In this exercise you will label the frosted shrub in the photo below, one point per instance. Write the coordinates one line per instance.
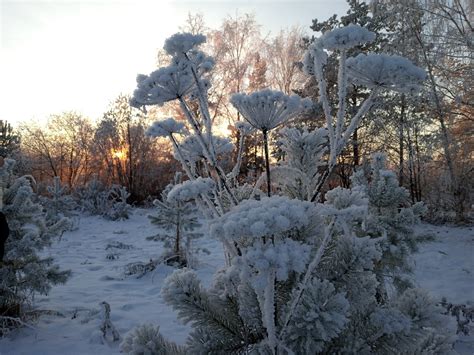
(117, 206)
(23, 271)
(111, 203)
(92, 197)
(146, 340)
(178, 216)
(59, 204)
(300, 276)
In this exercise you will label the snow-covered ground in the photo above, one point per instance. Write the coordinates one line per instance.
(444, 266)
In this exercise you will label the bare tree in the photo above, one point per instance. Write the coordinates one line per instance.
(283, 53)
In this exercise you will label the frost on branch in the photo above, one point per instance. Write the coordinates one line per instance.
(345, 204)
(165, 127)
(147, 339)
(303, 151)
(321, 316)
(180, 44)
(276, 216)
(162, 85)
(244, 127)
(193, 151)
(282, 257)
(390, 72)
(346, 37)
(315, 53)
(267, 109)
(191, 189)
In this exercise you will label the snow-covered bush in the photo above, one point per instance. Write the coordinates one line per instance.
(111, 203)
(23, 271)
(59, 204)
(146, 339)
(392, 217)
(177, 215)
(118, 208)
(92, 197)
(303, 152)
(300, 277)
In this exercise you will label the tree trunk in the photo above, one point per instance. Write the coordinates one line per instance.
(355, 145)
(400, 141)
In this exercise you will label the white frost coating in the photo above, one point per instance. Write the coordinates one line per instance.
(263, 264)
(191, 189)
(390, 72)
(267, 109)
(162, 85)
(193, 151)
(275, 215)
(165, 128)
(314, 53)
(244, 127)
(181, 43)
(346, 37)
(283, 257)
(348, 203)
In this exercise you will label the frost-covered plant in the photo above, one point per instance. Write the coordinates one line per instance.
(93, 197)
(110, 203)
(376, 72)
(391, 217)
(292, 288)
(146, 339)
(177, 215)
(299, 277)
(265, 110)
(23, 271)
(165, 128)
(385, 71)
(118, 208)
(303, 152)
(59, 204)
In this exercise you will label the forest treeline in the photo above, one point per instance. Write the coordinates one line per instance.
(428, 137)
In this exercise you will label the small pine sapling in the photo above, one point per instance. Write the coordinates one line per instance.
(59, 204)
(118, 208)
(391, 217)
(23, 271)
(179, 219)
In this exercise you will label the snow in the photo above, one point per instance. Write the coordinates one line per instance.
(445, 267)
(95, 279)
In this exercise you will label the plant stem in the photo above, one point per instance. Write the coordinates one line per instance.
(267, 161)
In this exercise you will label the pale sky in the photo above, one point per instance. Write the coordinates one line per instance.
(80, 55)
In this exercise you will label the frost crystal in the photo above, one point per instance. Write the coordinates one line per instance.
(244, 127)
(181, 43)
(270, 216)
(315, 52)
(162, 85)
(192, 148)
(165, 128)
(282, 257)
(268, 109)
(191, 189)
(390, 72)
(346, 37)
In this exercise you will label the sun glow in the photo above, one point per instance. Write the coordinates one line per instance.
(119, 154)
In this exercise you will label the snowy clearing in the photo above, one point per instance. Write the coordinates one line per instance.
(444, 266)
